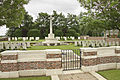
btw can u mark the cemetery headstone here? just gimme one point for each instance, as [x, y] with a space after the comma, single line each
[37, 38]
[78, 37]
[1, 46]
[7, 46]
[15, 38]
[24, 45]
[28, 44]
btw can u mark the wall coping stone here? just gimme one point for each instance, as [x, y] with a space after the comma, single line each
[53, 51]
[89, 57]
[30, 60]
[105, 51]
[89, 49]
[10, 52]
[8, 61]
[54, 59]
[116, 47]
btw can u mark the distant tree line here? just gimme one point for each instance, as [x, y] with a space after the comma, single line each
[100, 16]
[71, 25]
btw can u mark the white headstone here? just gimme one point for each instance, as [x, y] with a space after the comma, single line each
[18, 45]
[109, 43]
[78, 37]
[76, 43]
[58, 38]
[1, 46]
[65, 38]
[113, 43]
[7, 45]
[83, 43]
[15, 38]
[26, 38]
[117, 43]
[12, 46]
[24, 45]
[28, 44]
[9, 39]
[106, 44]
[79, 43]
[37, 38]
[31, 38]
[85, 38]
[23, 38]
[72, 38]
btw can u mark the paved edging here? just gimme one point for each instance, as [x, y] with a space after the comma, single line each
[55, 77]
[98, 76]
[72, 72]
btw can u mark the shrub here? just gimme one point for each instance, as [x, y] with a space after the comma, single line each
[20, 39]
[17, 33]
[62, 39]
[33, 33]
[69, 38]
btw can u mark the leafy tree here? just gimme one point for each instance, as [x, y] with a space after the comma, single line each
[42, 24]
[18, 33]
[90, 25]
[34, 33]
[107, 10]
[27, 24]
[12, 12]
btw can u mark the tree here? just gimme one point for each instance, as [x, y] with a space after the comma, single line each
[12, 12]
[42, 24]
[107, 10]
[27, 24]
[34, 33]
[18, 33]
[90, 25]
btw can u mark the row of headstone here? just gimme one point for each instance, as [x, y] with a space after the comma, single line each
[14, 45]
[66, 38]
[97, 43]
[23, 38]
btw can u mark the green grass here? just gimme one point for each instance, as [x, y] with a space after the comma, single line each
[111, 74]
[72, 46]
[30, 78]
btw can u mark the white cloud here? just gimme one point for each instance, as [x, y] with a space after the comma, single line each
[65, 6]
[3, 30]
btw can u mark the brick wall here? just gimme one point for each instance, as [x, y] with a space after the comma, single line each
[100, 58]
[14, 61]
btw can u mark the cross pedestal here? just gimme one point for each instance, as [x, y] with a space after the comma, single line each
[51, 40]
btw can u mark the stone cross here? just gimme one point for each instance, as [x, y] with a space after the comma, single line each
[51, 18]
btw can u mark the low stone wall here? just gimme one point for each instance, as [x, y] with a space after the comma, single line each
[95, 59]
[30, 63]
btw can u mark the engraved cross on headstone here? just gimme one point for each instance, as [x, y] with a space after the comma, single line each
[51, 18]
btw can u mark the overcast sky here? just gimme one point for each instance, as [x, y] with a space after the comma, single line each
[36, 6]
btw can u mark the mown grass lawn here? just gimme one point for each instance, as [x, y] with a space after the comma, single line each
[30, 78]
[72, 46]
[110, 74]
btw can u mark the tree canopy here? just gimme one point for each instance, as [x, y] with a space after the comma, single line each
[107, 10]
[12, 12]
